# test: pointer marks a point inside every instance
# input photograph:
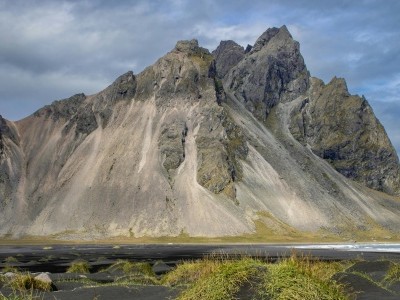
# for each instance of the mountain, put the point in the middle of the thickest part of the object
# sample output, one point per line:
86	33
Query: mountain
203	144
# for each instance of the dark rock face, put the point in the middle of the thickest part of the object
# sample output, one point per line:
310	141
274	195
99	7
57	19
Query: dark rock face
219	158
73	111
7	132
227	55
62	109
172	144
124	87
4	132
9	161
5	184
343	130
85	121
272	72
77	112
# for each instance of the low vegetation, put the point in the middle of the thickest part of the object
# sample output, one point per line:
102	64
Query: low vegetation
133	272
129	267
295	278
292	278
393	274
10	260
7	268
28	282
79	266
23	286
220	277
22	295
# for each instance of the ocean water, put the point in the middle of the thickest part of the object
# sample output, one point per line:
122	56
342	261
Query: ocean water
364	247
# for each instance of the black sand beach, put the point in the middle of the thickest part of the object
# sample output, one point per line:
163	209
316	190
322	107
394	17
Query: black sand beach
55	259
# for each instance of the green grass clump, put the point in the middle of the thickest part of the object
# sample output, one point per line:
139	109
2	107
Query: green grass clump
22	295
79	266
9	265
189	272
26	282
217	280
11	269
135	272
10	260
301	278
291	278
132	267
393	274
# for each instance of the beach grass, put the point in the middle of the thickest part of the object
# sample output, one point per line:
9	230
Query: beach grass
291	278
79	266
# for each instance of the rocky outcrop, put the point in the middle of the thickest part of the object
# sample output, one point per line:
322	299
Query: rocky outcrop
10	165
124	87
185	72
172	144
62	109
342	129
227	55
272	72
220	147
6	132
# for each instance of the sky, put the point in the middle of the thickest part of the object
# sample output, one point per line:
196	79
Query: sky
51	50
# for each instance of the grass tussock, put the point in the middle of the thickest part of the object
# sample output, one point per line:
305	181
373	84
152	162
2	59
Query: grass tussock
189	272
27	282
11	269
79	266
10	260
291	278
22	295
215	279
302	278
129	267
135	272
393	274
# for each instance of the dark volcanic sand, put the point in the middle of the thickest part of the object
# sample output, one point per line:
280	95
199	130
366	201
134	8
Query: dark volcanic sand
163	257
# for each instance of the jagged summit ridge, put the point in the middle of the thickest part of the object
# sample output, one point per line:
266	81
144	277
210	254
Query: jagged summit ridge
273	71
264	39
203	144
226	56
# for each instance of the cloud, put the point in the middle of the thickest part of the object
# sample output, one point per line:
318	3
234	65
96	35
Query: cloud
53	49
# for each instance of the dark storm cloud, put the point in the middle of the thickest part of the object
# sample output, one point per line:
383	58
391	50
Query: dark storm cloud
53	49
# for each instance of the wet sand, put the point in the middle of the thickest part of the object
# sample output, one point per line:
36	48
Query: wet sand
55	258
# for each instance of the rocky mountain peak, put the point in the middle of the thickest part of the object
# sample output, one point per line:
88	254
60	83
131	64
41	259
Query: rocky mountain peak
227	55
62	109
205	145
339	85
187	45
228	45
190	47
272	71
270	35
